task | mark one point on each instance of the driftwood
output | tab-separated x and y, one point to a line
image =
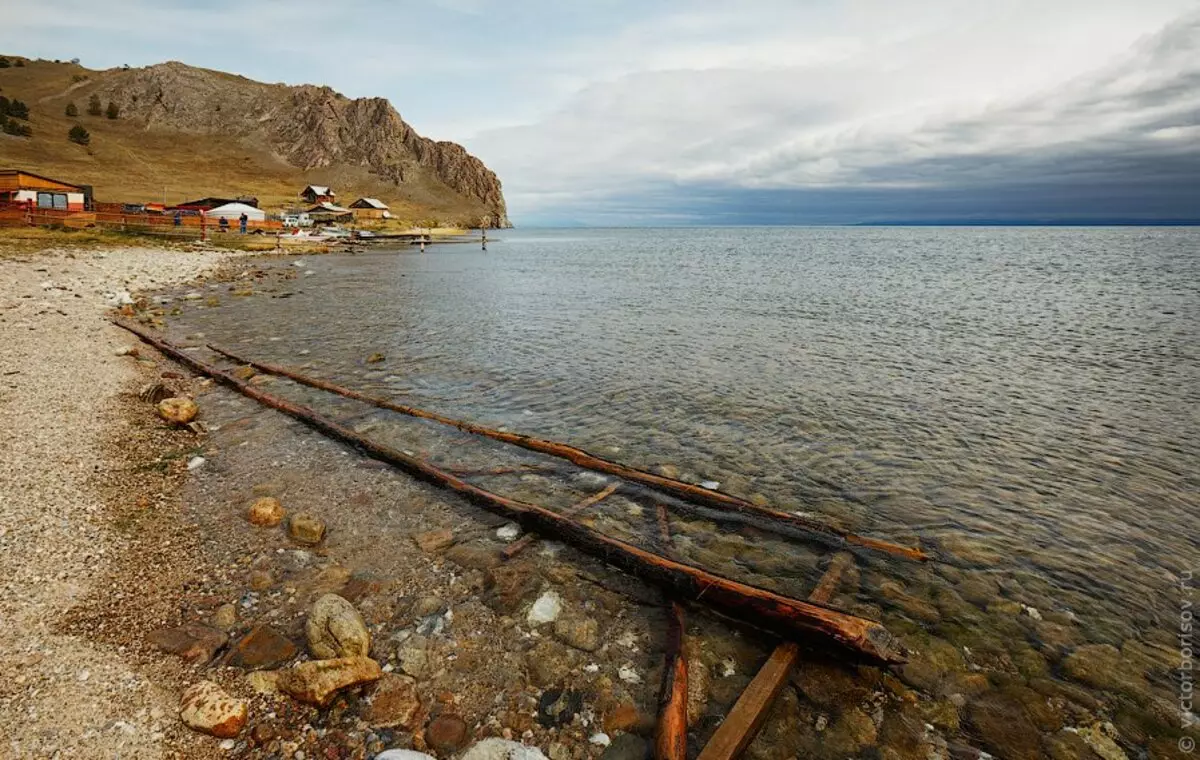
579	457
747	715
670	742
527	540
782	615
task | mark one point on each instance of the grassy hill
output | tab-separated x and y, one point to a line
156	155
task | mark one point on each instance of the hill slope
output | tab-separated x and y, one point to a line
188	132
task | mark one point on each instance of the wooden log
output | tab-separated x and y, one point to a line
748	714
670	740
529	539
579	457
785	616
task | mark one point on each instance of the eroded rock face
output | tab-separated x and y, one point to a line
335	629
318	681
205	707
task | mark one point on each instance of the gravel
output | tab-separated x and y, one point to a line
60	382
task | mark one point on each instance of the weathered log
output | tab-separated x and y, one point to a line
527	540
670	742
746	717
579	457
752	605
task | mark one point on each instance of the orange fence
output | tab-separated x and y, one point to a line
119	218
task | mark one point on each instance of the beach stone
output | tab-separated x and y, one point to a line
178	410
1101	666
850	733
265	512
545	609
915	608
473	557
626	747
261	580
206	708
979	590
403	754
547	663
502	749
433	541
191	641
262	648
244	372
446	734
578	631
375	358
263	681
829	684
417	658
225	618
512	584
558	707
335	629
317	681
306	529
625	716
1100	737
394	703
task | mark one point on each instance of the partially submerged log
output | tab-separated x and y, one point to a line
749	604
529	539
670	741
746	717
686	491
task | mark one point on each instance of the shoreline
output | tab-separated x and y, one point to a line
64	403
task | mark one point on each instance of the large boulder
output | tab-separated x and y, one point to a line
205	707
335	629
318	681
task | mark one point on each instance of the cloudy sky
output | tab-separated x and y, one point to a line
707	112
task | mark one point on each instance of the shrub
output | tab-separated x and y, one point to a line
20	63
79	135
77	78
4	64
72	111
18	110
13	127
112	111
94	107
3	106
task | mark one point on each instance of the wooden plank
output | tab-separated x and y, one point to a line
529	539
748	714
670	740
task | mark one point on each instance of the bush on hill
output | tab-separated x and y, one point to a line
79	135
94	107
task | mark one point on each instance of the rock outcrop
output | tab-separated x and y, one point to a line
307	126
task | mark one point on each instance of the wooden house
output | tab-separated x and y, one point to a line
318	194
370	208
17	186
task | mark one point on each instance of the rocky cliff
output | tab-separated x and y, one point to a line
306	126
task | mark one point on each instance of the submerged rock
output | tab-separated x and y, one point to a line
626	747
447	734
1101	666
502	749
558	707
306	529
546	609
317	681
335	629
265	512
178	410
578	631
206	708
225	618
434	540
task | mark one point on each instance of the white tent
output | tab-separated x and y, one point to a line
234	211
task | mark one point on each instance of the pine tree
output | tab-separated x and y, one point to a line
72	111
18	110
79	135
94	107
112	111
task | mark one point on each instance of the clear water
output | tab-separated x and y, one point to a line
1022	401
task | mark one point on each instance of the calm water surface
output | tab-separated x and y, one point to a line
1021	401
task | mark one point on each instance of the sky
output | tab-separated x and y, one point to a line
692	112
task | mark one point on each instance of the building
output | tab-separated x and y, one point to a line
208	204
327	213
17	186
370	208
318	194
293	218
233	212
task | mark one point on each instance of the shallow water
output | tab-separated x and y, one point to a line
1023	402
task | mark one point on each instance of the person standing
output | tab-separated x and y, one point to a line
242	220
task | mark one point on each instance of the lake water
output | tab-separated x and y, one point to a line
1023	402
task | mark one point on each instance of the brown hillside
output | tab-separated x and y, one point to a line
187	132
